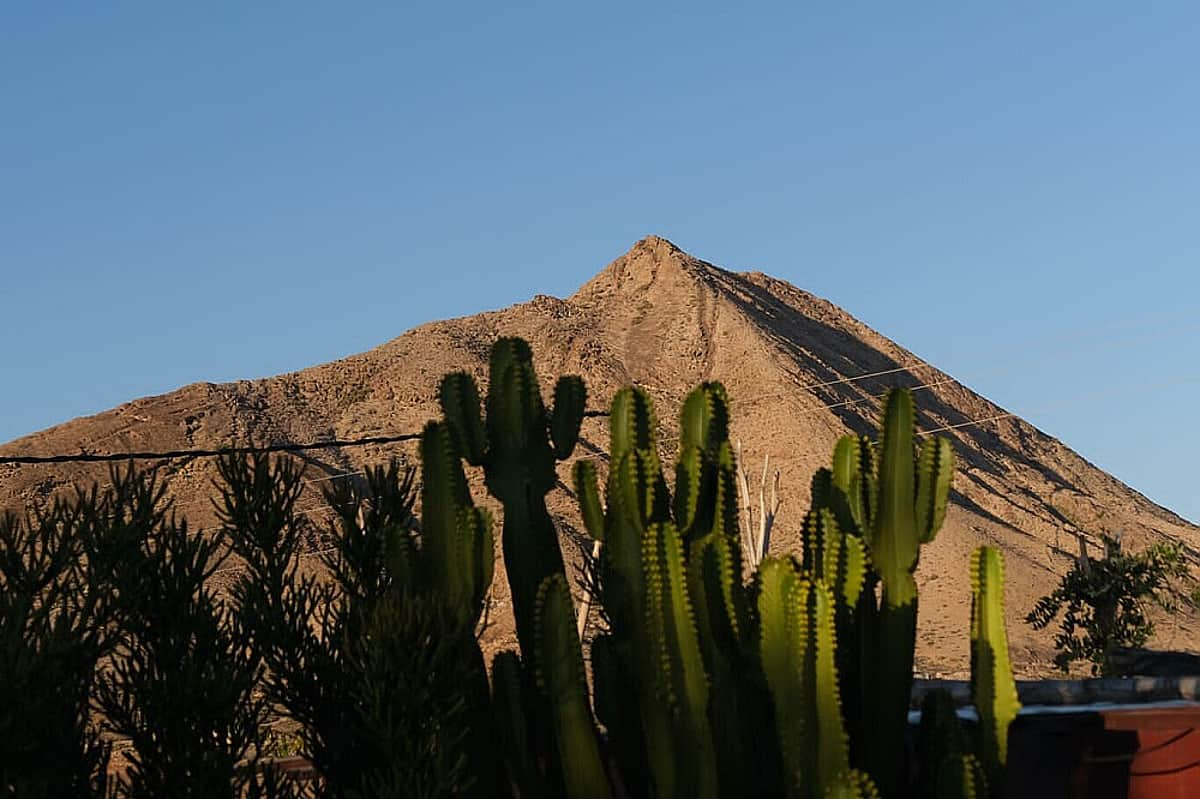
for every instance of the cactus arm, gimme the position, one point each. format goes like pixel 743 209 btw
pixel 776 580
pixel 851 570
pixel 670 617
pixel 992 687
pixel 478 551
pixel 561 678
pixel 853 500
pixel 460 405
pixel 446 548
pixel 676 659
pixel 831 745
pixel 519 456
pixel 935 468
pixel 631 421
pixel 798 649
pixel 821 542
pixel 689 475
pixel 704 419
pixel 894 539
pixel 570 399
pixel 587 492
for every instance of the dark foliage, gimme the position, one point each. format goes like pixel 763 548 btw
pixel 378 674
pixel 53 631
pixel 181 684
pixel 1104 602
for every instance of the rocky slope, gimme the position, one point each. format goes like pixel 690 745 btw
pixel 658 317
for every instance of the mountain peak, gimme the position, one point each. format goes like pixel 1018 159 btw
pixel 651 264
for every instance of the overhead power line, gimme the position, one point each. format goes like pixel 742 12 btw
pixel 112 457
pixel 84 457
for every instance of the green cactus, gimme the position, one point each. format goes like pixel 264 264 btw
pixel 679 673
pixel 993 690
pixel 837 558
pixel 457 548
pixel 517 445
pixel 561 678
pixel 798 646
pixel 702 518
pixel 588 493
pixel 896 502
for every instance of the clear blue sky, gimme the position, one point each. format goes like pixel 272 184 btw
pixel 218 191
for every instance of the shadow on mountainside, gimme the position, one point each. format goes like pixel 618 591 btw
pixel 830 355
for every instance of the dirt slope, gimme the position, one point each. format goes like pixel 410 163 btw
pixel 660 318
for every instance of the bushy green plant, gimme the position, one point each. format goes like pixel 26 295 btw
pixel 181 683
pixel 1104 603
pixel 378 663
pixel 53 632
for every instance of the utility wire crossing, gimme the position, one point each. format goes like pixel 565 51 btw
pixel 112 457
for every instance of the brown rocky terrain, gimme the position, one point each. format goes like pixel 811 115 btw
pixel 663 319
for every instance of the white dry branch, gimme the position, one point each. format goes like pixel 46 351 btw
pixel 756 527
pixel 585 606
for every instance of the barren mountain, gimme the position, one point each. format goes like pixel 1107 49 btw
pixel 793 365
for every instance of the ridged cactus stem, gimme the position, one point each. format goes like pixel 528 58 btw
pixel 912 493
pixel 992 687
pixel 682 683
pixel 798 647
pixel 561 678
pixel 517 445
pixel 456 536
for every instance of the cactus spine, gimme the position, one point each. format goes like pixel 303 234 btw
pixel 992 687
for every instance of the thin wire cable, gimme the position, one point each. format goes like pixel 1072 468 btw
pixel 923 364
pixel 204 453
pixel 115 457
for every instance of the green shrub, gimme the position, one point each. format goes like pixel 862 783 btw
pixel 1104 603
pixel 53 632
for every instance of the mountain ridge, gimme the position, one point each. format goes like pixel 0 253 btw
pixel 800 372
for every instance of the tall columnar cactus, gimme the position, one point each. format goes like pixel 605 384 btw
pixel 896 499
pixel 517 446
pixel 992 687
pixel 696 536
pixel 636 494
pixel 798 645
pixel 457 549
pixel 561 678
pixel 679 674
